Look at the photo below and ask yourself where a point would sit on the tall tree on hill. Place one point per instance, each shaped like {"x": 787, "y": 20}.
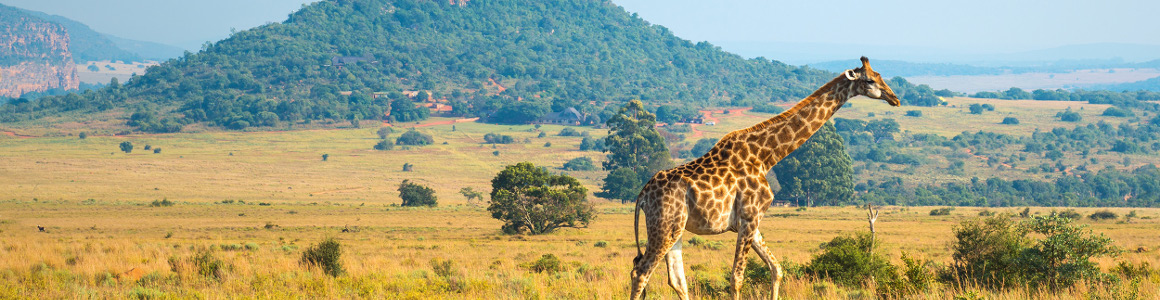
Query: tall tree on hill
{"x": 818, "y": 171}
{"x": 633, "y": 143}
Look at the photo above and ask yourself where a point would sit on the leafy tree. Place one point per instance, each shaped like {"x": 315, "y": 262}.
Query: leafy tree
{"x": 126, "y": 147}
{"x": 882, "y": 128}
{"x": 383, "y": 132}
{"x": 703, "y": 146}
{"x": 568, "y": 131}
{"x": 591, "y": 144}
{"x": 1064, "y": 255}
{"x": 495, "y": 138}
{"x": 414, "y": 138}
{"x": 623, "y": 184}
{"x": 634, "y": 143}
{"x": 529, "y": 199}
{"x": 414, "y": 194}
{"x": 818, "y": 171}
{"x": 850, "y": 261}
{"x": 83, "y": 135}
{"x": 1010, "y": 121}
{"x": 404, "y": 110}
{"x": 582, "y": 163}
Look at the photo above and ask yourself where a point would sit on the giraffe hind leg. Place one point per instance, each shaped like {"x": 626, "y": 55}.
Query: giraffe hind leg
{"x": 676, "y": 266}
{"x": 744, "y": 238}
{"x": 660, "y": 240}
{"x": 774, "y": 266}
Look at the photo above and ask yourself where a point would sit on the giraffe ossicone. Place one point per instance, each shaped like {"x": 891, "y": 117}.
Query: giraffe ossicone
{"x": 725, "y": 189}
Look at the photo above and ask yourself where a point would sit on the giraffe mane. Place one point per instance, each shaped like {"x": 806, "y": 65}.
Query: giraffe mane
{"x": 779, "y": 118}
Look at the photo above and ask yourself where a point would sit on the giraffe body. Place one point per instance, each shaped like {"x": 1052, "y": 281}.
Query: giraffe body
{"x": 726, "y": 190}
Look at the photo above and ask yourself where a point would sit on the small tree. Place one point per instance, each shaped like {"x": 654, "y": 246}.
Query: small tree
{"x": 127, "y": 147}
{"x": 325, "y": 157}
{"x": 528, "y": 199}
{"x": 471, "y": 194}
{"x": 414, "y": 194}
{"x": 1010, "y": 121}
{"x": 83, "y": 135}
{"x": 383, "y": 132}
{"x": 156, "y": 150}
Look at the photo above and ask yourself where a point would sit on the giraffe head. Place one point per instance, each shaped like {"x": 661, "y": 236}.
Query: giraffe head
{"x": 868, "y": 83}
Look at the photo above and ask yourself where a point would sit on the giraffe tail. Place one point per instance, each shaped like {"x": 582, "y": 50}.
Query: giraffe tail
{"x": 636, "y": 228}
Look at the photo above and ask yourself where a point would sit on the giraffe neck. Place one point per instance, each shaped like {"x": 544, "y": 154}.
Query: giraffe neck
{"x": 784, "y": 133}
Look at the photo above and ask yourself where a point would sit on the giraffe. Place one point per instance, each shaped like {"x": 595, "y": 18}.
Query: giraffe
{"x": 726, "y": 190}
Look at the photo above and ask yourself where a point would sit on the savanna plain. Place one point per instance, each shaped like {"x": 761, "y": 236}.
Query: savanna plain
{"x": 229, "y": 215}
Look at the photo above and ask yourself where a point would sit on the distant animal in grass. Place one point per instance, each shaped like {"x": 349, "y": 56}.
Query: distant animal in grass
{"x": 40, "y": 227}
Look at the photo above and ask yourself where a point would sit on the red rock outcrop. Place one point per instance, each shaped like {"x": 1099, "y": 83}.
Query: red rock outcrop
{"x": 34, "y": 55}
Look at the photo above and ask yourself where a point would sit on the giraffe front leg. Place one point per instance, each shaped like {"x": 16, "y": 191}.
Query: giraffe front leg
{"x": 771, "y": 262}
{"x": 676, "y": 266}
{"x": 738, "y": 276}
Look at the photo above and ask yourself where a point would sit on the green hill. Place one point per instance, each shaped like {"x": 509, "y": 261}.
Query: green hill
{"x": 543, "y": 55}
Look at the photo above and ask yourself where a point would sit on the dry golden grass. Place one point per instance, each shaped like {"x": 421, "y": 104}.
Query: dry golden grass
{"x": 119, "y": 250}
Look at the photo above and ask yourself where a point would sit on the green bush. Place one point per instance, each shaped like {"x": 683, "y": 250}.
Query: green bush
{"x": 414, "y": 194}
{"x": 945, "y": 211}
{"x": 326, "y": 255}
{"x": 697, "y": 241}
{"x": 997, "y": 253}
{"x": 568, "y": 131}
{"x": 384, "y": 145}
{"x": 914, "y": 113}
{"x": 849, "y": 261}
{"x": 1070, "y": 214}
{"x": 414, "y": 138}
{"x": 600, "y": 244}
{"x": 547, "y": 263}
{"x": 160, "y": 203}
{"x": 582, "y": 163}
{"x": 442, "y": 267}
{"x": 1010, "y": 121}
{"x": 1103, "y": 215}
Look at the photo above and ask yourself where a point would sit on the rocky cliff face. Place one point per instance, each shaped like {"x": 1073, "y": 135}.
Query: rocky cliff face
{"x": 34, "y": 55}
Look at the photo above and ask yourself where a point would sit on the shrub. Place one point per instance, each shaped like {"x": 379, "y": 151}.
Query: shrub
{"x": 325, "y": 156}
{"x": 996, "y": 252}
{"x": 580, "y": 164}
{"x": 441, "y": 267}
{"x": 1069, "y": 116}
{"x": 945, "y": 211}
{"x": 568, "y": 131}
{"x": 326, "y": 255}
{"x": 493, "y": 138}
{"x": 600, "y": 244}
{"x": 82, "y": 135}
{"x": 384, "y": 145}
{"x": 156, "y": 150}
{"x": 205, "y": 264}
{"x": 591, "y": 144}
{"x": 697, "y": 241}
{"x": 414, "y": 138}
{"x": 547, "y": 263}
{"x": 1070, "y": 214}
{"x": 126, "y": 147}
{"x": 976, "y": 109}
{"x": 408, "y": 167}
{"x": 160, "y": 203}
{"x": 1010, "y": 121}
{"x": 414, "y": 194}
{"x": 849, "y": 261}
{"x": 1103, "y": 215}
{"x": 1118, "y": 112}
{"x": 147, "y": 147}
{"x": 914, "y": 113}
{"x": 548, "y": 144}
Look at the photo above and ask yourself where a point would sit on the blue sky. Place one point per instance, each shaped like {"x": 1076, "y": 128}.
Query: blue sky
{"x": 743, "y": 26}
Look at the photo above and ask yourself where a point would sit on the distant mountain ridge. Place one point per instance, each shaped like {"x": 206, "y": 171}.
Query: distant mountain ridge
{"x": 547, "y": 55}
{"x": 89, "y": 45}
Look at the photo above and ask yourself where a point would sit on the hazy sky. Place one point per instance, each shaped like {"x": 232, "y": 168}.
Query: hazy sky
{"x": 980, "y": 26}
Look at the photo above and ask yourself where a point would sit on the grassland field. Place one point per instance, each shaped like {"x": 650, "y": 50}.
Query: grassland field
{"x": 103, "y": 240}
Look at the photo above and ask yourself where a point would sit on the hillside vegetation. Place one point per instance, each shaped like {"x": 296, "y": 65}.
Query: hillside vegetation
{"x": 484, "y": 57}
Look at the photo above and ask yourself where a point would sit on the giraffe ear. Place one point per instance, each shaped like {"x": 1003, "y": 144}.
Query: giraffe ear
{"x": 850, "y": 75}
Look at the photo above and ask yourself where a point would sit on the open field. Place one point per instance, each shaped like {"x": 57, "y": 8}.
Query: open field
{"x": 104, "y": 241}
{"x": 121, "y": 70}
{"x": 91, "y": 251}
